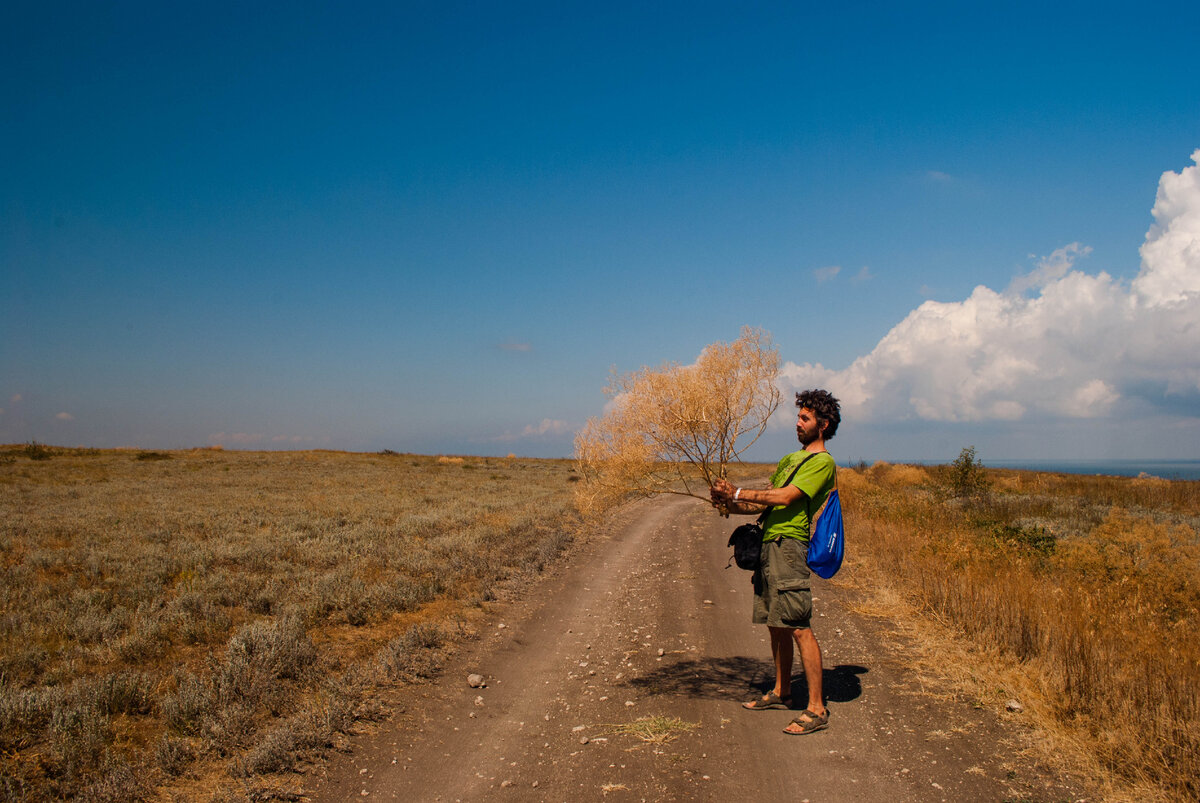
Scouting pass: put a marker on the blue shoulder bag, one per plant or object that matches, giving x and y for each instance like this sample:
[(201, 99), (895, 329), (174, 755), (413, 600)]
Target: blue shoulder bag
[(826, 535)]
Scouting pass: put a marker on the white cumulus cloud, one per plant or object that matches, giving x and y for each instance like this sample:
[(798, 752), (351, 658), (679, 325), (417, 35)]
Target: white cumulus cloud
[(1057, 343), (547, 426)]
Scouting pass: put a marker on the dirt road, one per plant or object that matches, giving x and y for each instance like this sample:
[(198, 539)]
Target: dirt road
[(645, 622)]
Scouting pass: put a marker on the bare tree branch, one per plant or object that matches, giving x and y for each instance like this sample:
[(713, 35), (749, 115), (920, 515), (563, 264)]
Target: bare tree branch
[(668, 425)]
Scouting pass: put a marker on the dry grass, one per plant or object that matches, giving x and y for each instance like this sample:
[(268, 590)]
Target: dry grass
[(171, 615), (1090, 585), (655, 729)]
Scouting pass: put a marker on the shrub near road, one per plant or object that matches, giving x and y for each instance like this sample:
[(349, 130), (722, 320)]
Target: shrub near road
[(171, 618), (1091, 583)]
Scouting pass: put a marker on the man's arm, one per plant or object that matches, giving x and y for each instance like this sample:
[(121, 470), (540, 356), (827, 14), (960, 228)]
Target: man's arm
[(750, 501)]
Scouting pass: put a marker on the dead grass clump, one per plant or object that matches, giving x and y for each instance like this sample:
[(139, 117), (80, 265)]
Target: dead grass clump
[(287, 743), (411, 655), (850, 478), (1099, 603), (899, 475), (118, 782), (655, 729)]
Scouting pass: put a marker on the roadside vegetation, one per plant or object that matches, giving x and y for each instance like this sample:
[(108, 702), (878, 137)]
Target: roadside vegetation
[(190, 624), (199, 624), (1090, 583)]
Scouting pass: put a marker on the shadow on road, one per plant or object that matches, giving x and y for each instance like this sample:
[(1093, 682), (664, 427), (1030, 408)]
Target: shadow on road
[(841, 683), (718, 678)]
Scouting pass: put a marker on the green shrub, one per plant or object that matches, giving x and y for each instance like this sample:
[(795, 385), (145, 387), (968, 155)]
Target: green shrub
[(36, 451), (1024, 540), (966, 477)]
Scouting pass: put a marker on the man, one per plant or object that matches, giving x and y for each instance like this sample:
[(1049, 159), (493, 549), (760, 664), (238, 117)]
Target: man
[(782, 590)]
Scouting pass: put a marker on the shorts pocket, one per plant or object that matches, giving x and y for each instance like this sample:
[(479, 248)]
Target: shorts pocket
[(795, 608), (792, 573)]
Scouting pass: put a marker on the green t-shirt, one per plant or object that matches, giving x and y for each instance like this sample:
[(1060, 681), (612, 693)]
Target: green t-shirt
[(815, 478)]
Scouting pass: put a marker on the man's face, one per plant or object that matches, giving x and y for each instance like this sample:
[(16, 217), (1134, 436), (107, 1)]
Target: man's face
[(808, 428)]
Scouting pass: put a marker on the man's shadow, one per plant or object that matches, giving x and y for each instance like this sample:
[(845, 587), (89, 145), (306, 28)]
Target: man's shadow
[(720, 678)]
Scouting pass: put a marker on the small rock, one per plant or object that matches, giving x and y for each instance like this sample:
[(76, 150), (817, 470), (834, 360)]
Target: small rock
[(505, 784), (1014, 706), (708, 602), (501, 626), (584, 740), (474, 681), (578, 728), (629, 703), (534, 784), (660, 650), (479, 699)]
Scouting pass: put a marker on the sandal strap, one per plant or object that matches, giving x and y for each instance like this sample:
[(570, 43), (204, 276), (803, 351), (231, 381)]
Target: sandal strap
[(813, 718)]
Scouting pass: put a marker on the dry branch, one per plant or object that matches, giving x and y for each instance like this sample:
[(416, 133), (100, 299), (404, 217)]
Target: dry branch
[(668, 429)]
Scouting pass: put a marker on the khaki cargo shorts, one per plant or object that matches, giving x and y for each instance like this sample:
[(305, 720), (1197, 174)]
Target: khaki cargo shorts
[(782, 585)]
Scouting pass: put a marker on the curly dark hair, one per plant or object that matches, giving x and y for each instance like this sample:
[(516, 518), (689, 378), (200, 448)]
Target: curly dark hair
[(826, 407)]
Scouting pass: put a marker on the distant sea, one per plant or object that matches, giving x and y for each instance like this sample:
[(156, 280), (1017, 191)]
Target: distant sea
[(1167, 469)]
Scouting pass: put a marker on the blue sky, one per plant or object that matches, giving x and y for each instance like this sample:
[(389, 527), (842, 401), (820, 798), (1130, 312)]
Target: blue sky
[(435, 227)]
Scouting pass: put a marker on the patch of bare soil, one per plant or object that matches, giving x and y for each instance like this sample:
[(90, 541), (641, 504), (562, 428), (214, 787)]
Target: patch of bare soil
[(621, 677)]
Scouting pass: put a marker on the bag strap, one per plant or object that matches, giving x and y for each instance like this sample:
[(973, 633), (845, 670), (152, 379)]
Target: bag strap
[(763, 516), (811, 517)]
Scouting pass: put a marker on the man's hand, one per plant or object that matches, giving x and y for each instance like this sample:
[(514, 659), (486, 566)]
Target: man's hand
[(722, 492)]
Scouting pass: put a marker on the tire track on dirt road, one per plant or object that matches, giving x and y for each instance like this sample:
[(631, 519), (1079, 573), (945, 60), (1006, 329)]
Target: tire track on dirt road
[(645, 621)]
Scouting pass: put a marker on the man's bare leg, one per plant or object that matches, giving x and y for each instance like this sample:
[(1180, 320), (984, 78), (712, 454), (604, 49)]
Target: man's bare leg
[(810, 657), (812, 718), (781, 651)]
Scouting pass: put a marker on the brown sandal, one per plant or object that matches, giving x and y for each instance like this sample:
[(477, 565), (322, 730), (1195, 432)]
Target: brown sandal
[(808, 722)]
